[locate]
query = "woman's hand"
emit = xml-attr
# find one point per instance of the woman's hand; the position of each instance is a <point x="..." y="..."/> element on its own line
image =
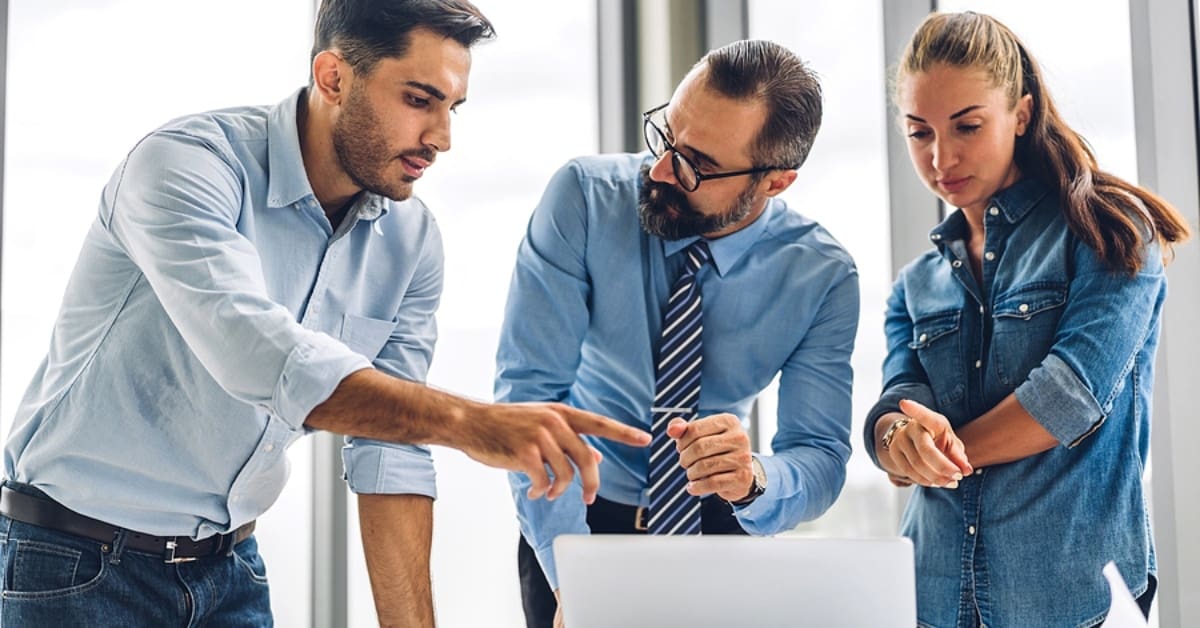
<point x="924" y="450"/>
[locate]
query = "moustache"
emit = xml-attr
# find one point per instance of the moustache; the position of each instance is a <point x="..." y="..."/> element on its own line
<point x="425" y="154"/>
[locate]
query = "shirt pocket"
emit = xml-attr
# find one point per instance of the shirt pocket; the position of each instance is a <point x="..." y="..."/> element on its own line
<point x="366" y="336"/>
<point x="937" y="339"/>
<point x="1025" y="322"/>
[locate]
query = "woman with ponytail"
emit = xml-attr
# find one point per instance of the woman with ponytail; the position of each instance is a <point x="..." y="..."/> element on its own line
<point x="1020" y="362"/>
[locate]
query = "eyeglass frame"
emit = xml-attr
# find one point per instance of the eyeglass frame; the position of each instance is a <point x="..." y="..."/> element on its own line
<point x="676" y="156"/>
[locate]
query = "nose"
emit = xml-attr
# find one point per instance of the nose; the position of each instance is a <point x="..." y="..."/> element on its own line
<point x="437" y="136"/>
<point x="944" y="155"/>
<point x="662" y="170"/>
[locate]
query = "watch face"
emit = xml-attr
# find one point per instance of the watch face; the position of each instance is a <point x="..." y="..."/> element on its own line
<point x="760" y="475"/>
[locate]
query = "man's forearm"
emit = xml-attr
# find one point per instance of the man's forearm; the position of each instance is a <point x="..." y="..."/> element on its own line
<point x="372" y="404"/>
<point x="396" y="535"/>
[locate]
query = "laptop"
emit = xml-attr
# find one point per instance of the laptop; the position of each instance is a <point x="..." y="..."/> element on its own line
<point x="614" y="580"/>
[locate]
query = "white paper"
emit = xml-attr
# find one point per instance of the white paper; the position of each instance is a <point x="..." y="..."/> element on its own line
<point x="1124" y="611"/>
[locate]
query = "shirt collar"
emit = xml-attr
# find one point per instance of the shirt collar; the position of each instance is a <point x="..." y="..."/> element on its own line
<point x="1013" y="203"/>
<point x="728" y="250"/>
<point x="287" y="180"/>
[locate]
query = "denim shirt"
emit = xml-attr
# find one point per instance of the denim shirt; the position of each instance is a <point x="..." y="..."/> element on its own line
<point x="1023" y="543"/>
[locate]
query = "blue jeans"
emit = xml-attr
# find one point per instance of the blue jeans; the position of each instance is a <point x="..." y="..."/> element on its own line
<point x="55" y="579"/>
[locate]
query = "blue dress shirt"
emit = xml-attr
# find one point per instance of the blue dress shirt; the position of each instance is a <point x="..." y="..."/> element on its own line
<point x="211" y="309"/>
<point x="584" y="319"/>
<point x="1023" y="543"/>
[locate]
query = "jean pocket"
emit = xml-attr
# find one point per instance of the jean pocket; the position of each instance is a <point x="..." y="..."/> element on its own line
<point x="247" y="557"/>
<point x="42" y="570"/>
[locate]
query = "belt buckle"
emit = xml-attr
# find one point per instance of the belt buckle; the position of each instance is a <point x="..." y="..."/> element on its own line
<point x="639" y="522"/>
<point x="170" y="558"/>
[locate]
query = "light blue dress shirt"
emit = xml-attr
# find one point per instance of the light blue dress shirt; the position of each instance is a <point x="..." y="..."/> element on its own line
<point x="211" y="309"/>
<point x="584" y="319"/>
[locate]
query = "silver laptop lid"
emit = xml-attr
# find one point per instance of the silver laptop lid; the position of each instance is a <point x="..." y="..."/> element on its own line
<point x="609" y="581"/>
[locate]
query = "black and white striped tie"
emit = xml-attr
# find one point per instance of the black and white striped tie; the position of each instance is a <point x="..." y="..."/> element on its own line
<point x="672" y="509"/>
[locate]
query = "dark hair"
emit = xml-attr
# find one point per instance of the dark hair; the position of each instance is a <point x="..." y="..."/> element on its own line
<point x="1112" y="216"/>
<point x="767" y="72"/>
<point x="365" y="31"/>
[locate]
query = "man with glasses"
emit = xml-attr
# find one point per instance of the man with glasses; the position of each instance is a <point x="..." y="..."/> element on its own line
<point x="668" y="290"/>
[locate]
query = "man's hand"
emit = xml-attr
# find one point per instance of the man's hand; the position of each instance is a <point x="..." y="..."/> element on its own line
<point x="926" y="451"/>
<point x="525" y="437"/>
<point x="558" y="616"/>
<point x="715" y="450"/>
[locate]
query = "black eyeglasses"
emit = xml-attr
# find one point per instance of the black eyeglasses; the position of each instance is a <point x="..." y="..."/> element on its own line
<point x="686" y="172"/>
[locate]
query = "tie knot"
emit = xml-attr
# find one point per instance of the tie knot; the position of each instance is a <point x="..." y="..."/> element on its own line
<point x="697" y="256"/>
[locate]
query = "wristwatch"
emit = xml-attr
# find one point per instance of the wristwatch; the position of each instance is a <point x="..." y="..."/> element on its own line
<point x="758" y="487"/>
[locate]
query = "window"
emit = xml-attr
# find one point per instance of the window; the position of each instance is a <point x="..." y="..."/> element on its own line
<point x="86" y="80"/>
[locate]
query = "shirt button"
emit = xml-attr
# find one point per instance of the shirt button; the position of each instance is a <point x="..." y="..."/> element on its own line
<point x="989" y="256"/>
<point x="993" y="211"/>
<point x="979" y="471"/>
<point x="1024" y="307"/>
<point x="935" y="237"/>
<point x="981" y="309"/>
<point x="956" y="263"/>
<point x="971" y="530"/>
<point x="923" y="338"/>
<point x="270" y="447"/>
<point x="978" y="363"/>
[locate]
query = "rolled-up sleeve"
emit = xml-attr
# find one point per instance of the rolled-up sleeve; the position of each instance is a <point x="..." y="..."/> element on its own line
<point x="394" y="468"/>
<point x="174" y="211"/>
<point x="1106" y="322"/>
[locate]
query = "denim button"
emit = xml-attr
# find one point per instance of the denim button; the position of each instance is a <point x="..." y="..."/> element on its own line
<point x="989" y="256"/>
<point x="923" y="338"/>
<point x="1024" y="307"/>
<point x="956" y="263"/>
<point x="993" y="211"/>
<point x="971" y="530"/>
<point x="981" y="309"/>
<point x="978" y="363"/>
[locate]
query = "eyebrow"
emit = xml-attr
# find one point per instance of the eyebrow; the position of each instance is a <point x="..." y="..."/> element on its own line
<point x="957" y="114"/>
<point x="696" y="154"/>
<point x="433" y="91"/>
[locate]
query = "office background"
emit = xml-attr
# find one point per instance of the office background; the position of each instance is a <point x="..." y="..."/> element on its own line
<point x="84" y="79"/>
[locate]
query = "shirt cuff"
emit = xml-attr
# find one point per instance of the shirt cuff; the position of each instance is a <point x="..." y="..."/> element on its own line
<point x="311" y="373"/>
<point x="375" y="467"/>
<point x="1059" y="400"/>
<point x="889" y="401"/>
<point x="761" y="506"/>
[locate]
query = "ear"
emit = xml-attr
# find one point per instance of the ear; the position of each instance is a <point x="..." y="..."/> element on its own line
<point x="778" y="181"/>
<point x="331" y="76"/>
<point x="1024" y="113"/>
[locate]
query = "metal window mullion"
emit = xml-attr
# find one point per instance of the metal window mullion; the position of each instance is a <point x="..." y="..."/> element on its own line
<point x="913" y="210"/>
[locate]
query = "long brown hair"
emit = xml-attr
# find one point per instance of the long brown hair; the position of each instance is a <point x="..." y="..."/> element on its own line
<point x="1114" y="217"/>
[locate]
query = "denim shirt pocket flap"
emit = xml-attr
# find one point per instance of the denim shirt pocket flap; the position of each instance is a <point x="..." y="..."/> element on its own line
<point x="366" y="336"/>
<point x="1031" y="299"/>
<point x="930" y="327"/>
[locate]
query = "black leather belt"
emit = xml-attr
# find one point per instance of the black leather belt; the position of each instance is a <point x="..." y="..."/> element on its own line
<point x="609" y="517"/>
<point x="46" y="513"/>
